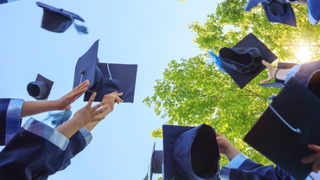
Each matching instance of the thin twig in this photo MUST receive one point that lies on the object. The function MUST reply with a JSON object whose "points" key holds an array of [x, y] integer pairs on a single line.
{"points": [[255, 93], [301, 12]]}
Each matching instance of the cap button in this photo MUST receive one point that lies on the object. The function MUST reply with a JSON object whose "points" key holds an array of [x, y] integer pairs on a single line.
{"points": [[61, 9]]}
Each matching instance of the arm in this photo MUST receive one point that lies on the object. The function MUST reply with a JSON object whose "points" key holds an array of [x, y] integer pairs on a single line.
{"points": [[82, 117], [35, 107], [241, 167], [226, 148], [274, 73]]}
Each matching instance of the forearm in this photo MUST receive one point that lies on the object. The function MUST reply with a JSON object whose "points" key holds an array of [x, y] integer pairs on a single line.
{"points": [[232, 152], [90, 126], [281, 74], [70, 127], [36, 107]]}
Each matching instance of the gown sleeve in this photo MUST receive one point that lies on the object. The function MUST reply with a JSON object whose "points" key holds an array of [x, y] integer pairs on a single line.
{"points": [[243, 168], [76, 144], [10, 121], [30, 150]]}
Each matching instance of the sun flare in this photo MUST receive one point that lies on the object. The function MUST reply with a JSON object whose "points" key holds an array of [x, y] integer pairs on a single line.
{"points": [[304, 54]]}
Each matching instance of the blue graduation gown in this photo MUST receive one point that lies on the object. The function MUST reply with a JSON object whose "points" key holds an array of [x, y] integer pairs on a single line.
{"points": [[253, 171], [76, 144], [243, 168], [10, 122], [30, 150], [306, 71]]}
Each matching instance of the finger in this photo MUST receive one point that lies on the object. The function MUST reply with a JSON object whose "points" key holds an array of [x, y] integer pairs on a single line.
{"points": [[114, 92], [97, 106], [264, 81], [311, 158], [84, 84], [77, 91], [314, 147], [98, 118], [118, 99], [265, 63], [101, 110], [218, 134], [120, 94], [91, 99]]}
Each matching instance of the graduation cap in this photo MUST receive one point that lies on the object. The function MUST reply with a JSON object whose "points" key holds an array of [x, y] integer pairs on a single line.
{"points": [[278, 12], [40, 89], [190, 153], [156, 161], [284, 130], [279, 83], [105, 78], [59, 20], [243, 61]]}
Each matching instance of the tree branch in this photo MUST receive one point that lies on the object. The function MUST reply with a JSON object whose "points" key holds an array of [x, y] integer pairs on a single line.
{"points": [[255, 93]]}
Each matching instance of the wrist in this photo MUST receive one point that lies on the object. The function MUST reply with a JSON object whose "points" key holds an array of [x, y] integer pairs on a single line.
{"points": [[232, 152], [55, 105]]}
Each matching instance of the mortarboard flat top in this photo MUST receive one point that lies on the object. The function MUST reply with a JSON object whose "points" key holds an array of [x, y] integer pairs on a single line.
{"points": [[123, 80], [105, 78], [299, 107], [40, 89], [55, 19], [250, 41], [279, 83], [280, 13], [172, 169]]}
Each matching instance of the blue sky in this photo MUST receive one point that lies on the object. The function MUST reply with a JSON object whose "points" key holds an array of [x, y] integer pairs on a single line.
{"points": [[149, 33]]}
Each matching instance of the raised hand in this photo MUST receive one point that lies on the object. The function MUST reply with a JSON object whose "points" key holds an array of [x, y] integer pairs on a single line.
{"points": [[226, 147], [271, 71], [65, 101]]}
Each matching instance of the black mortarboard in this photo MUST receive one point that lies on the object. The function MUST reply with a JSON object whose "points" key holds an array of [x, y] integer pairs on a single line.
{"points": [[279, 83], [156, 161], [284, 130], [59, 20], [40, 89], [105, 78], [278, 12], [243, 61], [190, 153]]}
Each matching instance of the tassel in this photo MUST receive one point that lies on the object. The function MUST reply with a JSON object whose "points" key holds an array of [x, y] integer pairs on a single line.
{"points": [[58, 118], [81, 29], [216, 60]]}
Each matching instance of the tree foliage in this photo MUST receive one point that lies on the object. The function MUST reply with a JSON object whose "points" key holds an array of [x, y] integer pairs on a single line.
{"points": [[193, 92], [231, 23]]}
